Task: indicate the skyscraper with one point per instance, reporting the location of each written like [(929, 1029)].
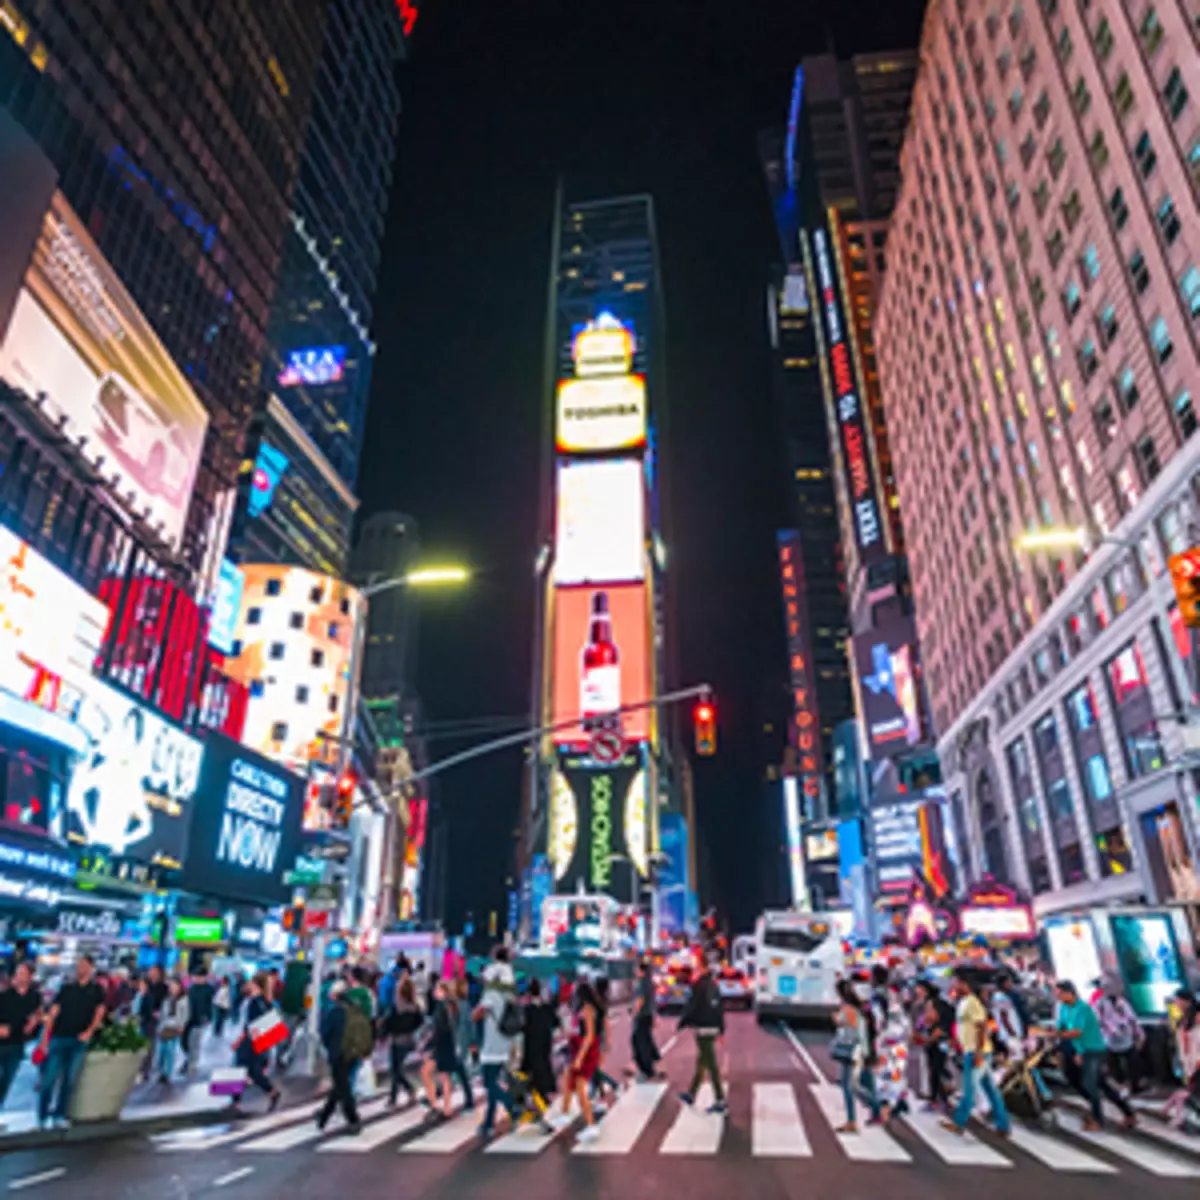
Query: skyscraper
[(177, 138), (1037, 344)]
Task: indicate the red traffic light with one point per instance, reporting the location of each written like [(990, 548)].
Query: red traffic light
[(704, 712), (704, 721), (345, 787)]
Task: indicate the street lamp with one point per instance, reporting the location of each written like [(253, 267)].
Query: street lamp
[(1079, 538), (419, 577)]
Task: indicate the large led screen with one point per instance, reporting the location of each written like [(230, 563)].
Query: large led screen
[(886, 662), (602, 413), (293, 651), (600, 533), (601, 658), (78, 336)]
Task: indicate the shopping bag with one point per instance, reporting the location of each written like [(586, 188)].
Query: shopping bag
[(227, 1081), (267, 1032), (364, 1080)]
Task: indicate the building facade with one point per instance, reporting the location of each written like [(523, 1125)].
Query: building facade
[(1037, 347), (177, 139)]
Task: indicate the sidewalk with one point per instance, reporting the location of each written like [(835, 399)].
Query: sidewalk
[(152, 1106)]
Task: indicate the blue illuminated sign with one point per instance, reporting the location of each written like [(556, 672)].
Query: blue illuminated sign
[(315, 366), (38, 860), (268, 471), (226, 604)]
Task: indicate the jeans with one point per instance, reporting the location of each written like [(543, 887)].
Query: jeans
[(398, 1052), (164, 1058), (1086, 1075), (497, 1093), (935, 1056), (978, 1071), (193, 1043), (341, 1091), (706, 1064), (11, 1058), (866, 1080), (220, 1016), (64, 1061)]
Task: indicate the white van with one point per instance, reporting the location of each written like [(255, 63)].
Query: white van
[(798, 962)]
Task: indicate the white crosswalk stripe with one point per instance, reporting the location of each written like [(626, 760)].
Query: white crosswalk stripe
[(776, 1128), (378, 1132), (870, 1144), (1058, 1153), (1141, 1154), (695, 1131), (531, 1139), (446, 1138), (959, 1150), (306, 1131), (619, 1131)]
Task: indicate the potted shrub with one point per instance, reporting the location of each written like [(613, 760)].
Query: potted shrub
[(110, 1069)]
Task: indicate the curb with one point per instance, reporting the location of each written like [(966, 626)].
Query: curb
[(94, 1131)]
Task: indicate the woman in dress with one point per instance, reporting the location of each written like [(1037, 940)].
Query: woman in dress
[(584, 1048), (893, 1035)]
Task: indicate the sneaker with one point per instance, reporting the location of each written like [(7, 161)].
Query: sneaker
[(952, 1127), (273, 1103), (687, 1098), (589, 1133), (848, 1127), (353, 1129), (718, 1109)]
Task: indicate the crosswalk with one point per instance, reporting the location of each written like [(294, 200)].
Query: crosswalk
[(783, 1120)]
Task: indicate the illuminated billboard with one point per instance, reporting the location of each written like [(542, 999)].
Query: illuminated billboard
[(226, 606), (600, 530), (795, 843), (50, 627), (598, 816), (848, 414), (897, 845), (804, 736), (315, 366), (77, 336), (601, 658), (594, 415), (293, 651), (889, 689), (269, 467)]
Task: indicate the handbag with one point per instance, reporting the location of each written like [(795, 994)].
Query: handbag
[(845, 1046), (267, 1031), (227, 1081)]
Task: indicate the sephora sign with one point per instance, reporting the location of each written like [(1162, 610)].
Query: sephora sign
[(247, 826)]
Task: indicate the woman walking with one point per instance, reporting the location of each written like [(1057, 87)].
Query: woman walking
[(172, 1021), (444, 1060), (584, 1047), (541, 1020), (934, 1021), (892, 1041), (402, 1025), (851, 1048), (244, 1054)]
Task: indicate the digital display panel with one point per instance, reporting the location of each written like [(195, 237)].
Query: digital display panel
[(599, 414), (600, 532), (315, 366)]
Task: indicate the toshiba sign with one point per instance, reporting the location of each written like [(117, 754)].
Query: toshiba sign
[(601, 413)]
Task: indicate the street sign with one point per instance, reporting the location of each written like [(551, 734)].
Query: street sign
[(607, 746), (323, 896), (318, 919)]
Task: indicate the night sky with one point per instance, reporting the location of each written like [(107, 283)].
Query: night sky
[(658, 96)]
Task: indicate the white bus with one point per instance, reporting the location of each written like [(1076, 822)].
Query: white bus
[(799, 961)]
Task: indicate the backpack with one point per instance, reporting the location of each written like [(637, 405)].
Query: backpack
[(358, 1038), (512, 1019)]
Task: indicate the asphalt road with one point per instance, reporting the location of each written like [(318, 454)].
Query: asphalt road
[(777, 1143)]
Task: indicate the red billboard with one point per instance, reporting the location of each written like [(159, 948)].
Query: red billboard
[(601, 658)]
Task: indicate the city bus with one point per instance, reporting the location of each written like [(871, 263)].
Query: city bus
[(799, 959)]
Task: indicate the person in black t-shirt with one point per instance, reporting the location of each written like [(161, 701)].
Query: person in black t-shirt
[(74, 1018), (20, 1008)]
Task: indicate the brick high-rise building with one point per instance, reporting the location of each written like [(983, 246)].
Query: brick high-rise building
[(1038, 351)]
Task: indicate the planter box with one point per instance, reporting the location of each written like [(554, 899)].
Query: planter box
[(104, 1084)]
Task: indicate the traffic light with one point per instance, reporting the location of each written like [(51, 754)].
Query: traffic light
[(704, 720), (1185, 575), (293, 918), (343, 808)]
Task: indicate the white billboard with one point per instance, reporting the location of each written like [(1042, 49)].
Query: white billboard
[(600, 530), (598, 414), (77, 336)]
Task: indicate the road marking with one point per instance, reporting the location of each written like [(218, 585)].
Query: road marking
[(871, 1144), (208, 1138), (233, 1176), (1149, 1158), (1060, 1155), (803, 1051), (670, 1043), (778, 1130), (959, 1150), (1151, 1128), (306, 1131), (696, 1131), (376, 1133), (532, 1138), (33, 1180), (625, 1121), (446, 1138)]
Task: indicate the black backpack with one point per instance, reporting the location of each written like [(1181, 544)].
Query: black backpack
[(512, 1019)]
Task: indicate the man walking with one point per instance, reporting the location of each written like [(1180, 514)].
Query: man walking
[(73, 1020), (972, 1020), (645, 1052), (497, 1006), (20, 1005), (705, 1015), (200, 1014), (340, 1039)]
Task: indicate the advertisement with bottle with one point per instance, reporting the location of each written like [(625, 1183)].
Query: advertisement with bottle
[(601, 660), (77, 335), (599, 823)]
